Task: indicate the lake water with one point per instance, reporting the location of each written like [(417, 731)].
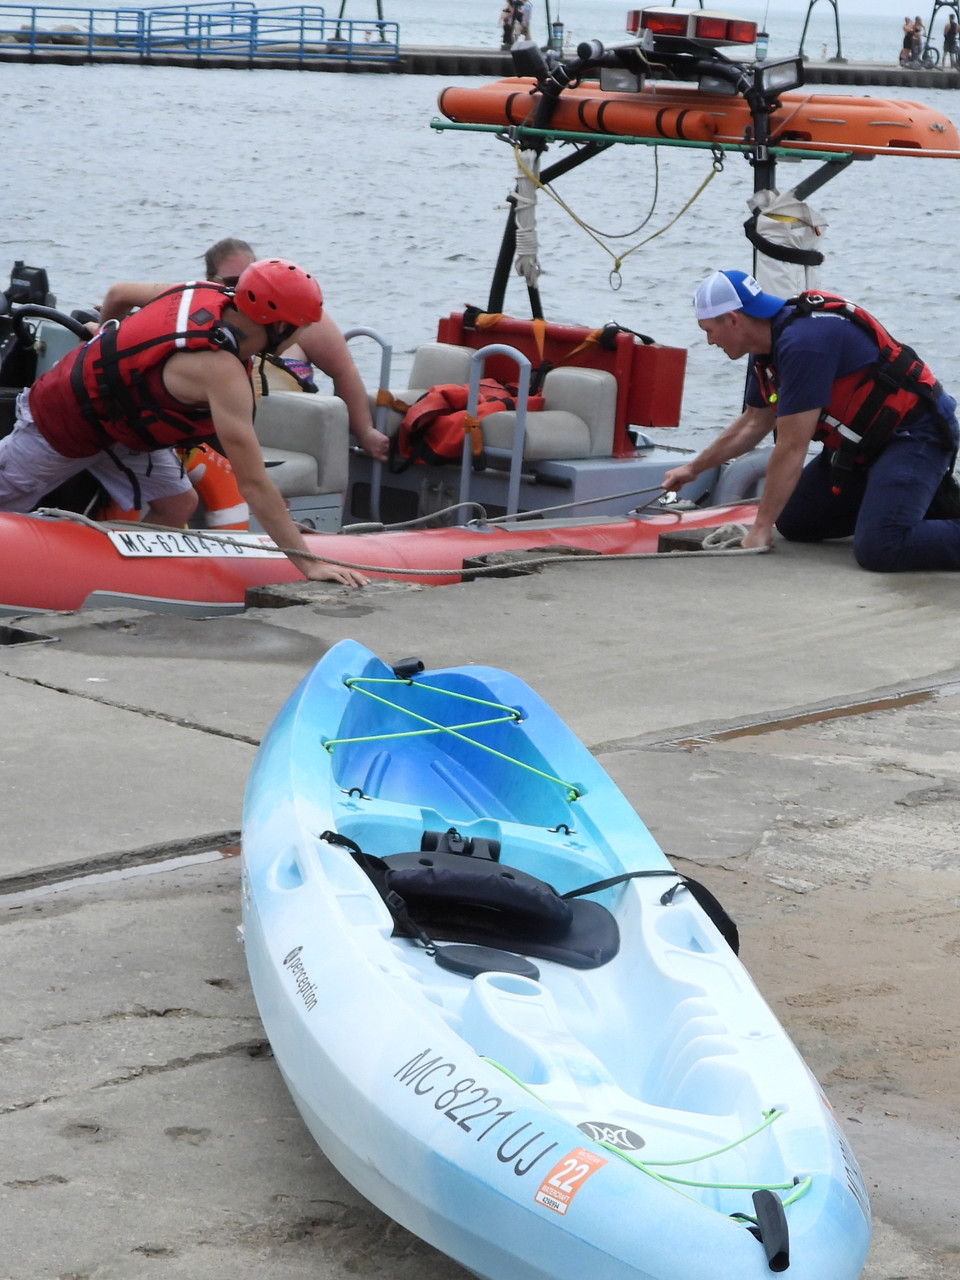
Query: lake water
[(130, 173)]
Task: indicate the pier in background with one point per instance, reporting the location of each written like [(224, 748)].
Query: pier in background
[(236, 33)]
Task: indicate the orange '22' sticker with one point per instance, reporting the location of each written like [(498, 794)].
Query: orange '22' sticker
[(565, 1179)]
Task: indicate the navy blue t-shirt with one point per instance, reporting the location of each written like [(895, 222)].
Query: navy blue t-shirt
[(809, 355)]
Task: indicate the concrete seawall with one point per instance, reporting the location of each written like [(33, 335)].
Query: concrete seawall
[(429, 61)]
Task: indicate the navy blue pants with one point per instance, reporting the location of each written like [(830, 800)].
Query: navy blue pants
[(884, 507)]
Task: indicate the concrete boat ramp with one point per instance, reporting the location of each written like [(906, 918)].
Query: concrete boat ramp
[(786, 724)]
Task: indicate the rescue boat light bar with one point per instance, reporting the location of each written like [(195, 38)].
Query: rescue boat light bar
[(703, 26)]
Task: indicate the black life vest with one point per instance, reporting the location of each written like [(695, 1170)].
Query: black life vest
[(868, 405)]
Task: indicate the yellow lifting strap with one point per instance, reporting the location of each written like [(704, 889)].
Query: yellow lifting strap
[(485, 320), (385, 397), (472, 425)]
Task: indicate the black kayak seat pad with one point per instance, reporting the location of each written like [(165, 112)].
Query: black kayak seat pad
[(477, 901)]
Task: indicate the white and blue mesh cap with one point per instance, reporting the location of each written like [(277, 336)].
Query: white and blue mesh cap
[(734, 291)]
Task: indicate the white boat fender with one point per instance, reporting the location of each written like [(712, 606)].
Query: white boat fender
[(742, 478)]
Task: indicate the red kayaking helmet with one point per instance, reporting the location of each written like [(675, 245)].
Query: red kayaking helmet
[(274, 291)]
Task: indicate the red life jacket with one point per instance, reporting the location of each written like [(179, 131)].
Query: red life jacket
[(433, 428), (110, 390), (868, 405)]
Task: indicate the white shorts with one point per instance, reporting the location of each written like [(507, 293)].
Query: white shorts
[(30, 468)]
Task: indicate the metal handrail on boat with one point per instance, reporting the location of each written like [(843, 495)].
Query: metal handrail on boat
[(477, 361), (380, 411)]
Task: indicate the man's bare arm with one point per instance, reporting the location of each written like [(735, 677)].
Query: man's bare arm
[(121, 298), (219, 380), (794, 433), (743, 434), (324, 346)]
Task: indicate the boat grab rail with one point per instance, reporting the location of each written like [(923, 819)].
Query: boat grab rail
[(477, 361), (848, 150), (517, 132), (482, 520), (383, 399)]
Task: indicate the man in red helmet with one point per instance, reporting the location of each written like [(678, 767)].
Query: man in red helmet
[(169, 375)]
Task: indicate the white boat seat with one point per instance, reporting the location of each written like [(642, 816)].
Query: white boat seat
[(577, 420), (438, 362), (434, 364), (306, 437), (294, 474)]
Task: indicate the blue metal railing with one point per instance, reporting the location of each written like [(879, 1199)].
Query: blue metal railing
[(35, 27), (216, 28), (194, 27)]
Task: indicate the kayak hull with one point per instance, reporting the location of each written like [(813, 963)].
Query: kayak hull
[(521, 1124)]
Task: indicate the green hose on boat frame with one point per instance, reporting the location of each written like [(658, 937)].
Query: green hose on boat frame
[(356, 685)]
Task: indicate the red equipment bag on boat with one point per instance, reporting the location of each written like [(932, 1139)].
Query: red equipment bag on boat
[(433, 428)]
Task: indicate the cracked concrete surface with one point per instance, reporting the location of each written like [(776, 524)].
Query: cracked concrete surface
[(144, 1127), (142, 1113)]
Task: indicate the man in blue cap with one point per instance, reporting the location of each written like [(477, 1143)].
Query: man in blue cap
[(824, 369)]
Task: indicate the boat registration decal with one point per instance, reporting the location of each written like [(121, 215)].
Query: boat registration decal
[(567, 1176), (474, 1110), (186, 545)]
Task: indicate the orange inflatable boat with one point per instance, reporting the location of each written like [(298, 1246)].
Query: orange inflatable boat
[(55, 564), (803, 121)]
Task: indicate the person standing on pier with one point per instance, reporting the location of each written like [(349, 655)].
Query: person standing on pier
[(951, 42), (919, 31), (508, 21), (823, 369), (906, 45)]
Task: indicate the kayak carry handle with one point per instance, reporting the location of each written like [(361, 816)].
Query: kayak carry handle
[(772, 1229), (407, 668)]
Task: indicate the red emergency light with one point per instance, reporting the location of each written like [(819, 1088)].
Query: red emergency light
[(691, 24), (739, 31), (710, 28), (660, 23)]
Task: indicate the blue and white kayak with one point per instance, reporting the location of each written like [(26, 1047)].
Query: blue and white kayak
[(542, 1082)]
